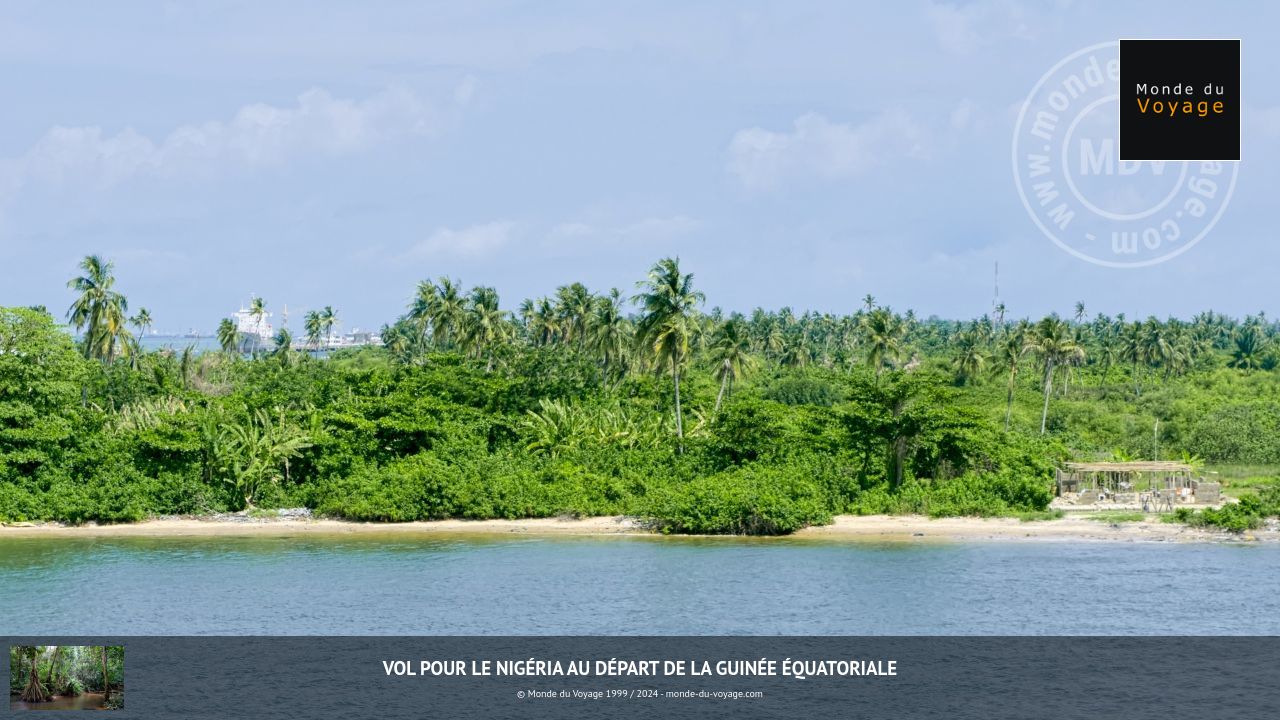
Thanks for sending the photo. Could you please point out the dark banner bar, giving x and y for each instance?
(692, 677)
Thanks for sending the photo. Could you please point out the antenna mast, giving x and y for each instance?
(995, 297)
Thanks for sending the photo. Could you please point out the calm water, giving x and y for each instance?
(178, 344)
(394, 586)
(83, 701)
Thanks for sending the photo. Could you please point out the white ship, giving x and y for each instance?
(257, 332)
(339, 341)
(254, 328)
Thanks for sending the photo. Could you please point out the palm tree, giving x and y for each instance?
(328, 319)
(258, 311)
(484, 324)
(283, 350)
(1108, 351)
(1011, 350)
(668, 304)
(313, 325)
(730, 353)
(1251, 348)
(142, 321)
(775, 342)
(185, 362)
(794, 353)
(970, 360)
(883, 333)
(1134, 349)
(1159, 343)
(395, 340)
(608, 330)
(574, 304)
(448, 312)
(228, 336)
(422, 308)
(1052, 341)
(541, 322)
(99, 310)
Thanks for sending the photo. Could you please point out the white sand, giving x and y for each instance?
(910, 528)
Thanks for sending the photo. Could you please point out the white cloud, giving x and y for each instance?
(964, 115)
(476, 241)
(817, 147)
(963, 28)
(954, 27)
(465, 91)
(1264, 121)
(257, 135)
(647, 229)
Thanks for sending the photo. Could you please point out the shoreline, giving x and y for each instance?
(850, 528)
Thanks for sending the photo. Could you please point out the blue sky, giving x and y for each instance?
(800, 154)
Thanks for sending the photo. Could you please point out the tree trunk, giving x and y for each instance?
(899, 460)
(1048, 390)
(675, 374)
(34, 691)
(724, 382)
(106, 678)
(53, 664)
(1008, 412)
(897, 448)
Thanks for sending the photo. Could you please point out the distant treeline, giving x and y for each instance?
(586, 403)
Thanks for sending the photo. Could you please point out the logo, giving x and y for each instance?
(1082, 196)
(1180, 100)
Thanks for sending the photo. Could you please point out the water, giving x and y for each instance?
(631, 585)
(178, 344)
(83, 701)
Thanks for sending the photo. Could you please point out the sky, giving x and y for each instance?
(800, 154)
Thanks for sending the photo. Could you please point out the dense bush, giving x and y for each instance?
(976, 494)
(41, 376)
(1248, 514)
(1238, 433)
(805, 390)
(742, 501)
(425, 487)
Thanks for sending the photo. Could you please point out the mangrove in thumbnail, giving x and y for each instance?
(66, 677)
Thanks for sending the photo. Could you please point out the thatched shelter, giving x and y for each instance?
(1109, 479)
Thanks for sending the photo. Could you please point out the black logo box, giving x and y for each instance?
(1186, 67)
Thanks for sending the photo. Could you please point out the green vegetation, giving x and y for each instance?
(42, 673)
(1117, 516)
(1037, 515)
(1240, 480)
(1250, 513)
(589, 403)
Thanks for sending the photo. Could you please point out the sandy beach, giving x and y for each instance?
(871, 528)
